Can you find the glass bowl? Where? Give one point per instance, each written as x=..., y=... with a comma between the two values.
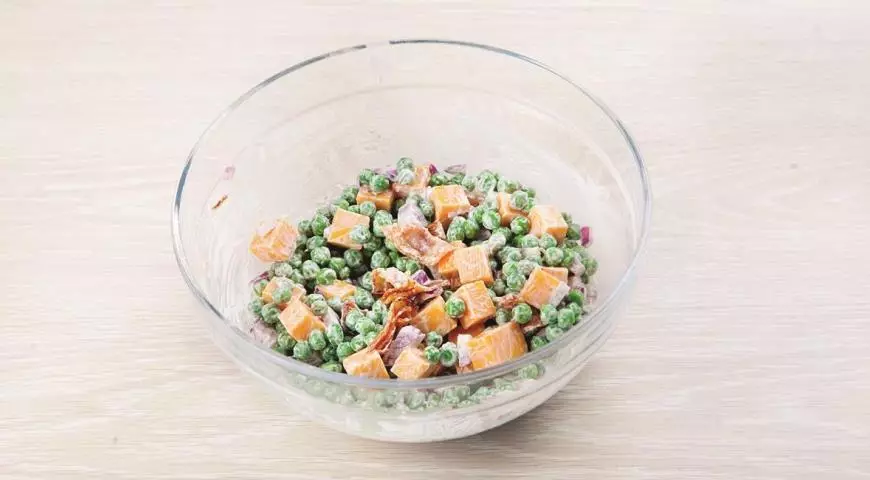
x=293, y=141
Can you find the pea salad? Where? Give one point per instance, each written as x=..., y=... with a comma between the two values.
x=416, y=272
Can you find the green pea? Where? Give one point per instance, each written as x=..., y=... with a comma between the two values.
x=302, y=351
x=335, y=334
x=400, y=263
x=301, y=241
x=547, y=241
x=507, y=186
x=379, y=183
x=491, y=294
x=319, y=224
x=439, y=179
x=270, y=313
x=371, y=336
x=499, y=287
x=568, y=257
x=326, y=211
x=344, y=350
x=380, y=309
x=454, y=307
x=283, y=269
x=366, y=281
x=394, y=256
x=515, y=282
x=373, y=245
x=577, y=297
x=353, y=208
x=469, y=182
x=332, y=367
x=578, y=310
x=457, y=179
x=296, y=260
x=529, y=241
x=360, y=234
x=520, y=226
x=591, y=265
x=349, y=194
x=317, y=340
x=572, y=245
x=398, y=204
x=285, y=343
x=490, y=219
x=510, y=268
x=529, y=205
x=553, y=332
x=519, y=200
x=573, y=232
x=365, y=176
x=336, y=263
x=256, y=306
x=502, y=316
x=321, y=256
x=366, y=325
x=259, y=286
x=533, y=255
x=358, y=342
x=315, y=242
x=405, y=176
x=339, y=203
x=297, y=277
x=553, y=256
x=446, y=294
x=326, y=276
x=389, y=245
x=335, y=303
x=428, y=209
x=368, y=209
x=380, y=259
x=313, y=297
x=506, y=231
x=527, y=267
x=448, y=354
x=363, y=298
x=352, y=258
x=538, y=342
x=319, y=307
x=283, y=293
x=470, y=228
x=411, y=266
x=567, y=318
x=434, y=339
x=456, y=232
x=381, y=219
x=405, y=163
x=522, y=313
x=353, y=318
x=486, y=183
x=432, y=354
x=549, y=314
x=510, y=254
x=530, y=372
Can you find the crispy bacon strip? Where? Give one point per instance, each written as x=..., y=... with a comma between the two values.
x=435, y=228
x=418, y=243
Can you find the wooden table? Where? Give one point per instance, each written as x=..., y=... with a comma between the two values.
x=745, y=354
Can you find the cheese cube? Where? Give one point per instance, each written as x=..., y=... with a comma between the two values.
x=559, y=272
x=547, y=219
x=542, y=288
x=339, y=289
x=507, y=212
x=421, y=181
x=433, y=318
x=299, y=321
x=412, y=364
x=342, y=224
x=276, y=244
x=365, y=363
x=473, y=264
x=478, y=304
x=449, y=201
x=383, y=200
x=497, y=345
x=297, y=290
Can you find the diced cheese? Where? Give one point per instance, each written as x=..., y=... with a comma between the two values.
x=478, y=304
x=269, y=289
x=421, y=181
x=559, y=272
x=547, y=219
x=507, y=212
x=497, y=345
x=299, y=321
x=276, y=244
x=365, y=363
x=432, y=318
x=383, y=200
x=473, y=264
x=338, y=289
x=449, y=201
x=412, y=364
x=342, y=224
x=542, y=288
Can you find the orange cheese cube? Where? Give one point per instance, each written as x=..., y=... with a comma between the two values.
x=338, y=289
x=547, y=219
x=496, y=346
x=474, y=331
x=421, y=181
x=299, y=321
x=342, y=224
x=433, y=318
x=473, y=264
x=275, y=244
x=412, y=364
x=274, y=283
x=542, y=288
x=559, y=272
x=383, y=200
x=447, y=266
x=507, y=212
x=478, y=304
x=449, y=201
x=365, y=363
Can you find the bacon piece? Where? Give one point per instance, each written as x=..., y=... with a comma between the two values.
x=416, y=242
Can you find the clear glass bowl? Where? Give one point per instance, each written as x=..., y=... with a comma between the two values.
x=294, y=140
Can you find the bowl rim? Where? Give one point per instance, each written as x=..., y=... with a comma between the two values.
x=296, y=366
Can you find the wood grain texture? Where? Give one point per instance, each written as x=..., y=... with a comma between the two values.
x=745, y=353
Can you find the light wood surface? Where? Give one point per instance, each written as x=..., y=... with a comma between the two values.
x=745, y=353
